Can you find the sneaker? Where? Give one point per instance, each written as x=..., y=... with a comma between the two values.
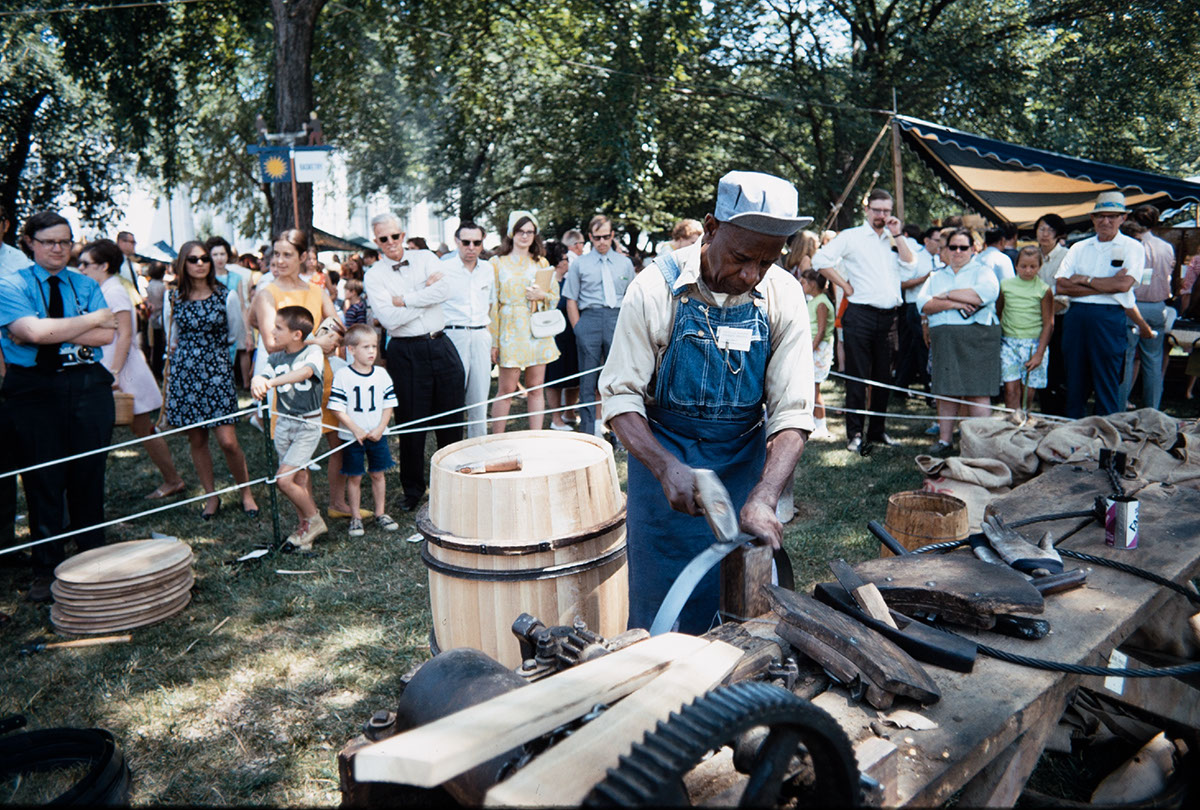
x=314, y=527
x=294, y=539
x=563, y=426
x=932, y=430
x=386, y=523
x=356, y=528
x=889, y=441
x=822, y=434
x=855, y=444
x=938, y=448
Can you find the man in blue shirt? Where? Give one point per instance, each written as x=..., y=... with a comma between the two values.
x=594, y=288
x=57, y=395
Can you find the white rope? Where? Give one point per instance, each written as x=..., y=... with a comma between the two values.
x=922, y=416
x=136, y=440
x=1002, y=408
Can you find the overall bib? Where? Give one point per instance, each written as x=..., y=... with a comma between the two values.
x=709, y=414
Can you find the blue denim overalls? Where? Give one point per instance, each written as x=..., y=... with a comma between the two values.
x=709, y=413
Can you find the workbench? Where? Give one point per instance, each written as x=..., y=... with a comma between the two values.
x=993, y=723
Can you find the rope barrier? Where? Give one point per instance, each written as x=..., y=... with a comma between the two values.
x=136, y=440
x=941, y=397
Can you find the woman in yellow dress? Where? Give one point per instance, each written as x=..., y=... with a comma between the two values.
x=514, y=348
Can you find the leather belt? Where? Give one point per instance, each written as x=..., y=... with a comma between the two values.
x=430, y=336
x=466, y=327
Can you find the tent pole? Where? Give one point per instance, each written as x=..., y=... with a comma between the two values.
x=897, y=167
x=837, y=207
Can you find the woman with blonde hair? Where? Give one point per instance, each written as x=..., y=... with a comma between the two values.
x=800, y=252
x=514, y=347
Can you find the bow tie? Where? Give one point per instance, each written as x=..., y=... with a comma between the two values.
x=401, y=264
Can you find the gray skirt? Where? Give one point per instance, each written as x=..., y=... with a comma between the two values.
x=965, y=360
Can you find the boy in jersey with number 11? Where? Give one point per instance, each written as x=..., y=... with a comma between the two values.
x=363, y=399
x=295, y=375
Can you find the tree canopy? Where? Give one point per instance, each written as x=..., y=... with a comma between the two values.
x=569, y=107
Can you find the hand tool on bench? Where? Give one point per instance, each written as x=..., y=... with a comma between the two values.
x=723, y=520
x=921, y=641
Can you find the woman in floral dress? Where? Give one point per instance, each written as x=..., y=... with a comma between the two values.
x=204, y=319
x=513, y=346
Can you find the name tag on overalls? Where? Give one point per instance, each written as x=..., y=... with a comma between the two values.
x=736, y=338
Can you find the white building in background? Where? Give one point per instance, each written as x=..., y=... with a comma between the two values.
x=153, y=217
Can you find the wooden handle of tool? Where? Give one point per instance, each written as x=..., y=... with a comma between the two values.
x=91, y=642
x=502, y=464
x=1056, y=583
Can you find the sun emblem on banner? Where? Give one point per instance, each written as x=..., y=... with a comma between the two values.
x=275, y=167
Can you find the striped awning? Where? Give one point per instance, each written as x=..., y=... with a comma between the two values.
x=1007, y=183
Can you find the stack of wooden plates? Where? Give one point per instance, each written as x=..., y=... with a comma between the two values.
x=122, y=586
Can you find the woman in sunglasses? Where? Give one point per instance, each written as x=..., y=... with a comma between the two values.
x=202, y=320
x=101, y=262
x=517, y=262
x=964, y=333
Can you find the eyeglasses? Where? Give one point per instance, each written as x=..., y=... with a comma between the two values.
x=471, y=242
x=61, y=244
x=601, y=237
x=883, y=212
x=384, y=238
x=1107, y=216
x=958, y=247
x=199, y=259
x=525, y=232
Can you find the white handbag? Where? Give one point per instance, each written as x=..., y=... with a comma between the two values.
x=546, y=323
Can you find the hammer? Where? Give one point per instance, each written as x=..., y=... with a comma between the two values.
x=30, y=649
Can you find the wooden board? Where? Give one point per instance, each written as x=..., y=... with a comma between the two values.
x=441, y=750
x=881, y=661
x=127, y=585
x=743, y=573
x=957, y=582
x=134, y=596
x=130, y=560
x=564, y=775
x=96, y=628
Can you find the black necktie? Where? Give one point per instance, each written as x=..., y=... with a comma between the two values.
x=47, y=354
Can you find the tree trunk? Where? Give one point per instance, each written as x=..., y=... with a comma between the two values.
x=15, y=160
x=295, y=23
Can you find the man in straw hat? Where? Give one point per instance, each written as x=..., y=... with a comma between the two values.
x=1098, y=275
x=706, y=338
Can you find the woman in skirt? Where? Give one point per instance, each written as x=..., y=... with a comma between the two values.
x=964, y=334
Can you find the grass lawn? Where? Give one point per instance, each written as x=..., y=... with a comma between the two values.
x=247, y=695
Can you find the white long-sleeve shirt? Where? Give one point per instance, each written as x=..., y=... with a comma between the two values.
x=422, y=311
x=868, y=263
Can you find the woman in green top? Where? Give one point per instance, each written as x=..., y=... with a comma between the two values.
x=820, y=321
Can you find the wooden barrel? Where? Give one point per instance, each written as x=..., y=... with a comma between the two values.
x=919, y=518
x=123, y=404
x=548, y=539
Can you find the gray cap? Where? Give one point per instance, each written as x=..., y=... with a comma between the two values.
x=759, y=202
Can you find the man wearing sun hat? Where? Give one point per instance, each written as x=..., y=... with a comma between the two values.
x=1098, y=275
x=707, y=338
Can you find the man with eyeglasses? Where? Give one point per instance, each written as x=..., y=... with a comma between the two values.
x=57, y=395
x=871, y=257
x=472, y=291
x=1098, y=275
x=594, y=288
x=405, y=290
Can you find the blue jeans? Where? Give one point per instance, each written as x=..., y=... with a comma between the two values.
x=1151, y=352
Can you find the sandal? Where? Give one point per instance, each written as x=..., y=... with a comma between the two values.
x=166, y=491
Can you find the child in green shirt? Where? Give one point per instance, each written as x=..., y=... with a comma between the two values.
x=1026, y=309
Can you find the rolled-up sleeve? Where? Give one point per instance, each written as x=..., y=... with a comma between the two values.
x=625, y=381
x=925, y=294
x=789, y=385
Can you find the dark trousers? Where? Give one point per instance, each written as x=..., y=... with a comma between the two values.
x=428, y=378
x=56, y=414
x=1093, y=345
x=914, y=354
x=8, y=486
x=1053, y=398
x=593, y=339
x=866, y=331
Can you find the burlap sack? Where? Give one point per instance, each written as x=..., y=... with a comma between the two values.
x=1146, y=423
x=1006, y=440
x=975, y=481
x=1080, y=440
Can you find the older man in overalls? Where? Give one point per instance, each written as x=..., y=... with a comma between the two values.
x=710, y=367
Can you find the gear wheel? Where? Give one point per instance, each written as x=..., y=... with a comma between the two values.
x=652, y=773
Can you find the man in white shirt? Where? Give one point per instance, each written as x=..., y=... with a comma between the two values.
x=406, y=290
x=472, y=292
x=573, y=241
x=131, y=269
x=1098, y=274
x=872, y=285
x=1151, y=296
x=11, y=259
x=993, y=257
